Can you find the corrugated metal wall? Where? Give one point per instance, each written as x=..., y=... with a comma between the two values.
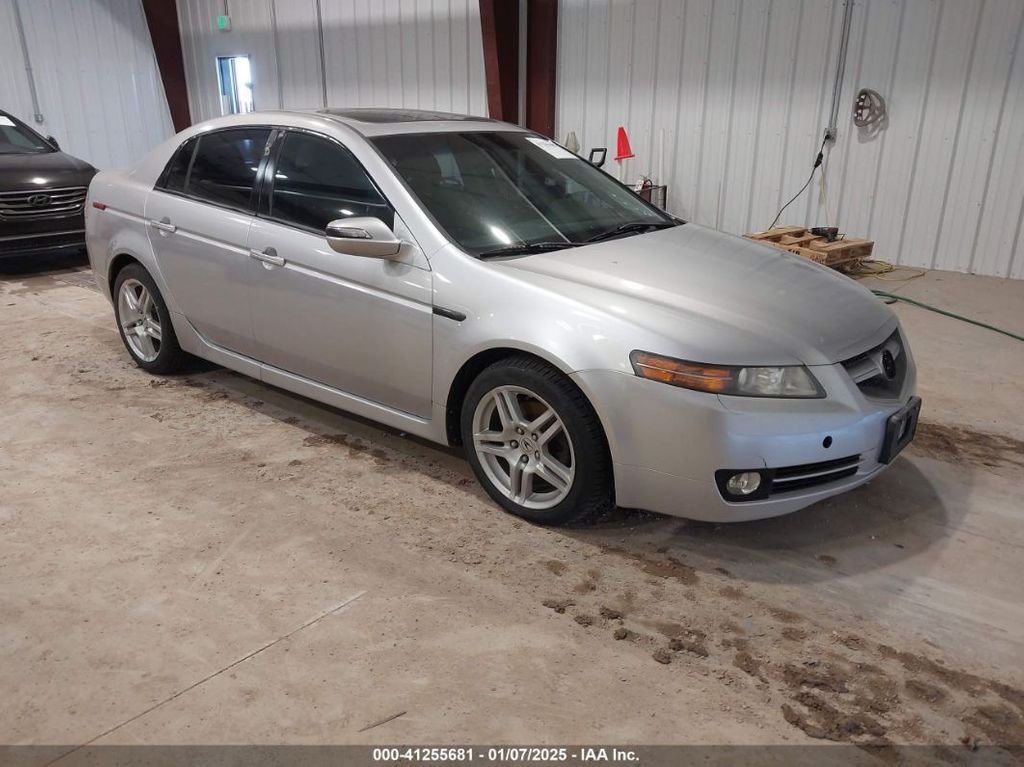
x=96, y=76
x=398, y=53
x=742, y=89
x=252, y=34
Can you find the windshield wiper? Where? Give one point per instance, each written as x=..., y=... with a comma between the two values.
x=524, y=248
x=631, y=226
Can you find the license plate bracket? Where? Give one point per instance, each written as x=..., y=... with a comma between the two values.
x=900, y=429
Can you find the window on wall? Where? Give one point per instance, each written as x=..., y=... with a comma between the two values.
x=234, y=74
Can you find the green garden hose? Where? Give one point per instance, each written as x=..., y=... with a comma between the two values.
x=937, y=310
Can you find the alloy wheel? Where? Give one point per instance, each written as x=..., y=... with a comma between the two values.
x=140, y=322
x=524, y=448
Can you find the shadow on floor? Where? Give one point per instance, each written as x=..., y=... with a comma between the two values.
x=45, y=263
x=897, y=516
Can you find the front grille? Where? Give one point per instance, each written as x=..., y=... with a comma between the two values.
x=41, y=203
x=792, y=478
x=873, y=376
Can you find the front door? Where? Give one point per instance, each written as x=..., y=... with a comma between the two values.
x=199, y=217
x=361, y=325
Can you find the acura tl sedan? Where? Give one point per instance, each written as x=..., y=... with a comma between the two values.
x=476, y=284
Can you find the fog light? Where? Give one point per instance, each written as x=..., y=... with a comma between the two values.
x=744, y=483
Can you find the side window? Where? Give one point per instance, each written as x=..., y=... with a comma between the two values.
x=317, y=181
x=225, y=165
x=175, y=175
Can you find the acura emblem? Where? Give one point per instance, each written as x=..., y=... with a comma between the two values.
x=39, y=200
x=888, y=364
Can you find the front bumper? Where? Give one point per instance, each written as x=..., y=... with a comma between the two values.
x=667, y=442
x=64, y=237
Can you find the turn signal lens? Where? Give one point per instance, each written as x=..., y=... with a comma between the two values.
x=679, y=373
x=784, y=381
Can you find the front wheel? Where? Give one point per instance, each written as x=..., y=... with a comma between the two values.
x=536, y=444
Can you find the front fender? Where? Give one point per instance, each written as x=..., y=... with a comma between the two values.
x=501, y=311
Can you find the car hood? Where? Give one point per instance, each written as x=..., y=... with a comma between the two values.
x=725, y=298
x=46, y=170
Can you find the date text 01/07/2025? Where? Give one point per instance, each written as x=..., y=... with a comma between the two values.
x=500, y=754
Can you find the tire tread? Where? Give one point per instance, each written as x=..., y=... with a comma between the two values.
x=171, y=357
x=597, y=500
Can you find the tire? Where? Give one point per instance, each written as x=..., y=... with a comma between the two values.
x=137, y=323
x=567, y=442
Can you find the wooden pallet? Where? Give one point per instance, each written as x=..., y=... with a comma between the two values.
x=841, y=254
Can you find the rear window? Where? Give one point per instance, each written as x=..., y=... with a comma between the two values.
x=218, y=167
x=175, y=175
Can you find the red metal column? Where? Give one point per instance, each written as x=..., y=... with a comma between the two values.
x=499, y=22
x=162, y=18
x=541, y=58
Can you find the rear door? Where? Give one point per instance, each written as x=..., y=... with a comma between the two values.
x=361, y=325
x=199, y=217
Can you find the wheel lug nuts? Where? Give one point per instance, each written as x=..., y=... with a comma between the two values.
x=533, y=437
x=524, y=459
x=519, y=431
x=537, y=455
x=515, y=444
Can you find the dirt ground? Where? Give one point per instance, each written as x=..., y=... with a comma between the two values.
x=204, y=559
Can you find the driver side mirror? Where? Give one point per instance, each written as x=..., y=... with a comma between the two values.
x=53, y=141
x=362, y=236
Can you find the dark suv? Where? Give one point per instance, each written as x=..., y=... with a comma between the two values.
x=42, y=193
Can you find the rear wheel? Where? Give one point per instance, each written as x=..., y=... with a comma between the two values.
x=536, y=444
x=145, y=323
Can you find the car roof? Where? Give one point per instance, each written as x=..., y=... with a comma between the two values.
x=383, y=116
x=370, y=122
x=381, y=121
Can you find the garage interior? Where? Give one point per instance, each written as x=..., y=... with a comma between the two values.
x=203, y=559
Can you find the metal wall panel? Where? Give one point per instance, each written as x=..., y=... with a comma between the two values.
x=14, y=92
x=96, y=76
x=298, y=54
x=742, y=89
x=251, y=33
x=399, y=53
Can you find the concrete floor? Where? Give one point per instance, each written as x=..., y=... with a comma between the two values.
x=203, y=559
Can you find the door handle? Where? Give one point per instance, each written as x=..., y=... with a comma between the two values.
x=164, y=225
x=268, y=256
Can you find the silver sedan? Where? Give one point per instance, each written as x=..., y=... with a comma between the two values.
x=473, y=283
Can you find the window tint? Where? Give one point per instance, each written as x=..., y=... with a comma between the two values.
x=317, y=181
x=17, y=139
x=176, y=173
x=488, y=190
x=225, y=165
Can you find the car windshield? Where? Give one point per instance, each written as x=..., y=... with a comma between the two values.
x=17, y=139
x=503, y=193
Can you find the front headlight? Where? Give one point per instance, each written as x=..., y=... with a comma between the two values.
x=785, y=381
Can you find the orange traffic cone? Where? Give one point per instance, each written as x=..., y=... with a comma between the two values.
x=623, y=151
